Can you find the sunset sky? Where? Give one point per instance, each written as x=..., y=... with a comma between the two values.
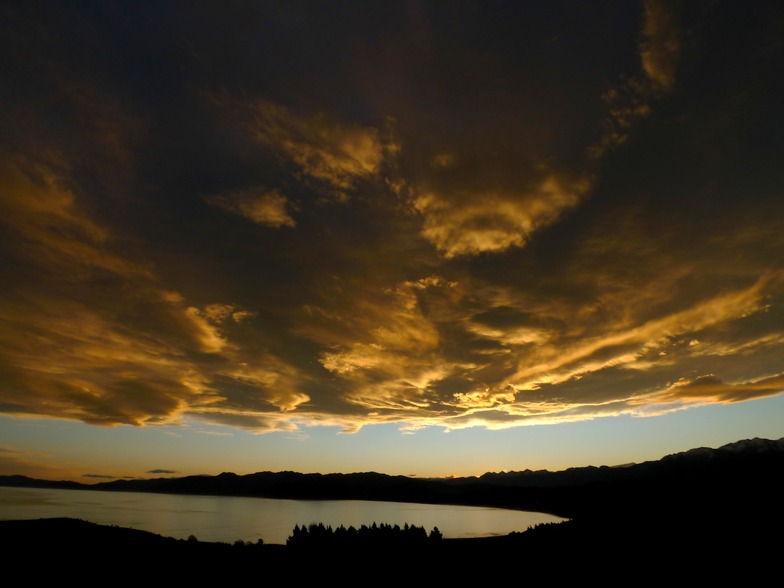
x=423, y=238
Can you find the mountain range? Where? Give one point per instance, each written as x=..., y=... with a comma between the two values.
x=700, y=477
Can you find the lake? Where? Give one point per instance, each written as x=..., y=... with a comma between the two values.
x=228, y=518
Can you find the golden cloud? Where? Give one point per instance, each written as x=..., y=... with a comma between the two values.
x=561, y=362
x=336, y=154
x=627, y=103
x=87, y=334
x=90, y=332
x=710, y=389
x=740, y=348
x=661, y=44
x=254, y=421
x=271, y=381
x=397, y=359
x=265, y=207
x=48, y=229
x=492, y=221
x=219, y=313
x=204, y=332
x=74, y=363
x=630, y=100
x=401, y=394
x=484, y=398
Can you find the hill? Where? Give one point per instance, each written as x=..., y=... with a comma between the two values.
x=710, y=478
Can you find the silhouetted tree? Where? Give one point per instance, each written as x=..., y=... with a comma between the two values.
x=378, y=535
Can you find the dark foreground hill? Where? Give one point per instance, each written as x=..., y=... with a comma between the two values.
x=615, y=552
x=698, y=516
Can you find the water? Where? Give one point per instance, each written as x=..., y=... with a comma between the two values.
x=228, y=518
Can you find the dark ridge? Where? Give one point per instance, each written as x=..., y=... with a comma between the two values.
x=610, y=552
x=26, y=482
x=740, y=469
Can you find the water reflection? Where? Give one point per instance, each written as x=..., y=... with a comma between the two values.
x=227, y=518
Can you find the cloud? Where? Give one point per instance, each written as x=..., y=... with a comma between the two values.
x=338, y=155
x=623, y=346
x=495, y=260
x=440, y=352
x=492, y=221
x=627, y=102
x=661, y=43
x=396, y=359
x=710, y=389
x=48, y=229
x=162, y=471
x=47, y=368
x=248, y=420
x=265, y=207
x=206, y=334
x=270, y=382
x=484, y=398
x=219, y=313
x=90, y=335
x=631, y=99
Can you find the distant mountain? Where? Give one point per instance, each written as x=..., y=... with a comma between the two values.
x=26, y=482
x=700, y=458
x=699, y=479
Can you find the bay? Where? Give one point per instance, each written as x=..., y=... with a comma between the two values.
x=228, y=518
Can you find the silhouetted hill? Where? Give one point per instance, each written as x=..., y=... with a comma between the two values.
x=574, y=552
x=701, y=458
x=369, y=486
x=26, y=482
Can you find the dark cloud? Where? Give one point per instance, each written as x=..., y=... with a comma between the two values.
x=266, y=207
x=162, y=472
x=712, y=389
x=661, y=43
x=271, y=216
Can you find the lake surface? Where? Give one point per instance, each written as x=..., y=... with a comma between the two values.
x=228, y=518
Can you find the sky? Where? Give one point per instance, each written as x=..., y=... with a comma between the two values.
x=423, y=238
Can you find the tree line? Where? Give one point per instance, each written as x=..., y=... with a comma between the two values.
x=317, y=535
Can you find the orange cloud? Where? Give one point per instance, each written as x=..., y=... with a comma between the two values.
x=560, y=362
x=48, y=229
x=448, y=290
x=397, y=360
x=336, y=154
x=87, y=334
x=661, y=44
x=265, y=207
x=492, y=221
x=631, y=99
x=710, y=389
